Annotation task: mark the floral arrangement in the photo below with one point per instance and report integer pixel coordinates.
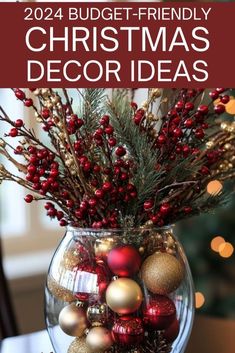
(111, 164)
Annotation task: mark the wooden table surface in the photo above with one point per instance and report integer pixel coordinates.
(209, 335)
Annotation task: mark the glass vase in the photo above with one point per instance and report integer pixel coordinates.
(119, 290)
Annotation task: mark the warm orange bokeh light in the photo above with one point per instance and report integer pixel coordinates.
(199, 300)
(226, 249)
(216, 243)
(214, 187)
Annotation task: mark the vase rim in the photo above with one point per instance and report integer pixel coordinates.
(118, 230)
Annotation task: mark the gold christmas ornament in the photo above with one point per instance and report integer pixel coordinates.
(124, 296)
(99, 339)
(103, 246)
(98, 314)
(73, 320)
(79, 345)
(59, 292)
(162, 273)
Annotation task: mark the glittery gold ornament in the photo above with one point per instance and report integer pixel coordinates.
(79, 345)
(103, 246)
(124, 296)
(162, 273)
(58, 291)
(98, 314)
(73, 320)
(99, 339)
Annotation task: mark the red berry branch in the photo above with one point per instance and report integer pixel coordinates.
(113, 164)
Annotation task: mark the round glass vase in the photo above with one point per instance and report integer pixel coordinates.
(119, 290)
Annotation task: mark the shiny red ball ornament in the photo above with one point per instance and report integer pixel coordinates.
(124, 260)
(171, 333)
(92, 280)
(159, 313)
(128, 330)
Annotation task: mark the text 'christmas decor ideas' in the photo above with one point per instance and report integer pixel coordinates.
(117, 45)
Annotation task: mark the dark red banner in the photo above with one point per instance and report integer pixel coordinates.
(117, 44)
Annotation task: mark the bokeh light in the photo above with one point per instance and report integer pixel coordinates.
(214, 187)
(226, 249)
(216, 243)
(199, 300)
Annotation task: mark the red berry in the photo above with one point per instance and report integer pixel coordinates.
(134, 105)
(162, 139)
(148, 204)
(199, 133)
(63, 223)
(60, 215)
(109, 130)
(189, 123)
(96, 168)
(176, 120)
(165, 209)
(107, 186)
(186, 150)
(92, 202)
(52, 212)
(124, 176)
(28, 102)
(189, 106)
(20, 94)
(48, 205)
(104, 120)
(178, 132)
(99, 193)
(179, 106)
(54, 173)
(18, 150)
(214, 95)
(19, 123)
(28, 198)
(187, 209)
(219, 109)
(45, 113)
(13, 132)
(203, 109)
(225, 99)
(32, 169)
(220, 90)
(79, 123)
(112, 141)
(120, 151)
(204, 170)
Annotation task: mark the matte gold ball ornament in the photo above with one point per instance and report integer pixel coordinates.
(124, 296)
(73, 320)
(79, 345)
(99, 339)
(162, 273)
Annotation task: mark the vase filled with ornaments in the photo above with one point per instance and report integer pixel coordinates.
(119, 290)
(116, 175)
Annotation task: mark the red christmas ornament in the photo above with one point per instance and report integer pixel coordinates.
(124, 260)
(171, 333)
(92, 280)
(159, 313)
(128, 330)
